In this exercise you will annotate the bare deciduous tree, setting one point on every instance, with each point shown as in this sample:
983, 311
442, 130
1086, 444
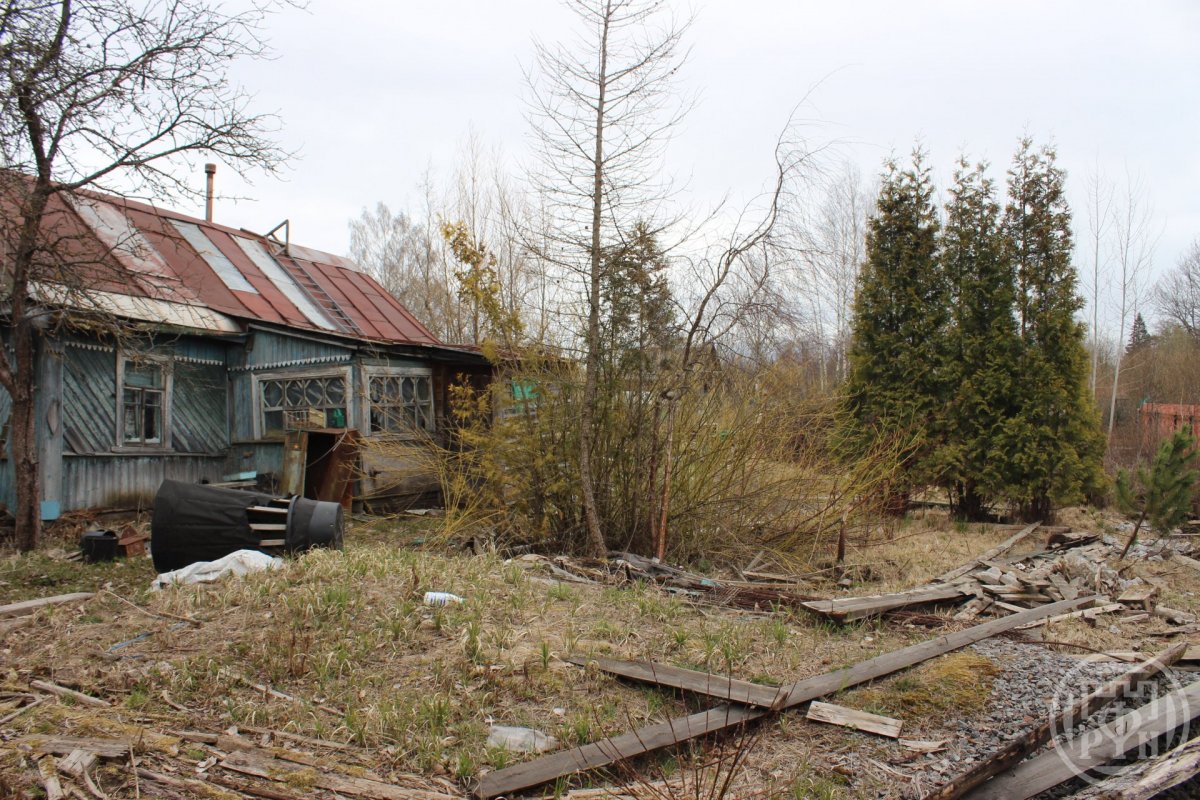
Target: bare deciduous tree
98, 94
1134, 239
602, 112
1099, 211
1177, 295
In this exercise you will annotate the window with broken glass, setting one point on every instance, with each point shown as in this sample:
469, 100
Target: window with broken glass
143, 389
310, 402
401, 402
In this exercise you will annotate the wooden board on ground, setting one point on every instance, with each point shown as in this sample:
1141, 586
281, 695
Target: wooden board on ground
681, 729
29, 606
1148, 778
705, 683
261, 766
848, 609
1094, 748
999, 549
1087, 613
853, 718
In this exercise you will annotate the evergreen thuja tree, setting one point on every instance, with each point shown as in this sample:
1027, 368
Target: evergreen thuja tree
1163, 494
1053, 438
983, 345
896, 384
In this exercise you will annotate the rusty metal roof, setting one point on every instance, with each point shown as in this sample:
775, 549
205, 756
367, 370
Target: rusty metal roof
179, 259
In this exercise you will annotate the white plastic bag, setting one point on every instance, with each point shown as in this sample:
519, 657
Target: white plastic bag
239, 562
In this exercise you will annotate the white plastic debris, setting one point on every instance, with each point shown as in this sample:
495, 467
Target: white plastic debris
520, 740
239, 562
441, 598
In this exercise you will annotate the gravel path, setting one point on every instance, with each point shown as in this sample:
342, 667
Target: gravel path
1022, 697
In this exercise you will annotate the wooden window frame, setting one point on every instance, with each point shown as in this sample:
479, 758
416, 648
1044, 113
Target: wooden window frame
166, 365
260, 410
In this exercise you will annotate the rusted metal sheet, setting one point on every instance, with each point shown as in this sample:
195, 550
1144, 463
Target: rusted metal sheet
184, 259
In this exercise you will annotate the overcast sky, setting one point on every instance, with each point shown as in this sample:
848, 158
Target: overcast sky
373, 94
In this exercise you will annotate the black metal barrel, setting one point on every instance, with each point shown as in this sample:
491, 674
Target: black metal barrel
193, 522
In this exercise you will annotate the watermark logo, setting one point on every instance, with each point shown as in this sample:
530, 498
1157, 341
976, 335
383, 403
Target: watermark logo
1131, 726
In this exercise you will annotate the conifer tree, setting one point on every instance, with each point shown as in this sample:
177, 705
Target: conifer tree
1164, 494
1139, 336
984, 347
1054, 437
896, 384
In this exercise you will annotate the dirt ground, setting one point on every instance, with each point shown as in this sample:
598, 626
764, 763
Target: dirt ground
338, 647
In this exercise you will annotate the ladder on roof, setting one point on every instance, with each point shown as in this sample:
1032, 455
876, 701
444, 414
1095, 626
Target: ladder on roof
303, 277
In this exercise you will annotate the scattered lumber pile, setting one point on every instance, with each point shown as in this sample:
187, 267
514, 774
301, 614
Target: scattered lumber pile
1070, 565
256, 768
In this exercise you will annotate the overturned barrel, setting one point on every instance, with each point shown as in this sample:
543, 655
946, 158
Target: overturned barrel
193, 522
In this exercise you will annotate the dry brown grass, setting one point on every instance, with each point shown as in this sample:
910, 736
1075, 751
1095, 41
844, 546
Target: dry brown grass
958, 683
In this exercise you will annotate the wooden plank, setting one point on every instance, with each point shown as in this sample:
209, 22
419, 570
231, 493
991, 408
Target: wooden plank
681, 729
1024, 744
62, 691
29, 606
706, 683
999, 549
853, 718
65, 745
1186, 561
1087, 613
1148, 778
251, 763
848, 609
1094, 748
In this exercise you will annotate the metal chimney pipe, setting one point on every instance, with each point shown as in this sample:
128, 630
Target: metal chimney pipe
210, 170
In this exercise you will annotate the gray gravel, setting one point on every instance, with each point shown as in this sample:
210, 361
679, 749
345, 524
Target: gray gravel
1023, 697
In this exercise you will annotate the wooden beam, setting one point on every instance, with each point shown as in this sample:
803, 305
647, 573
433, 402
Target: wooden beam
999, 549
29, 606
1087, 613
261, 766
1094, 748
1149, 778
853, 718
681, 729
62, 691
848, 609
705, 683
1024, 744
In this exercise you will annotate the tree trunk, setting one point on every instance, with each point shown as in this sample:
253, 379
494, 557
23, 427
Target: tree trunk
595, 536
24, 443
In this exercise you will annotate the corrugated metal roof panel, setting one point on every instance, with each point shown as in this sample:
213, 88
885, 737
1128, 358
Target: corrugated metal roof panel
227, 273
284, 282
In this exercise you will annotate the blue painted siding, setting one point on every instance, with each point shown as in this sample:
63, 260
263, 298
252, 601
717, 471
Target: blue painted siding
125, 481
276, 351
89, 400
198, 409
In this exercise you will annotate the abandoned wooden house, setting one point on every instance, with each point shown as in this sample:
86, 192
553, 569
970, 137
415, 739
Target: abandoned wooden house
190, 350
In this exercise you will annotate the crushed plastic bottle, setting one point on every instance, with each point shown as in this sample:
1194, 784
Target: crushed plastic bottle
520, 740
441, 598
